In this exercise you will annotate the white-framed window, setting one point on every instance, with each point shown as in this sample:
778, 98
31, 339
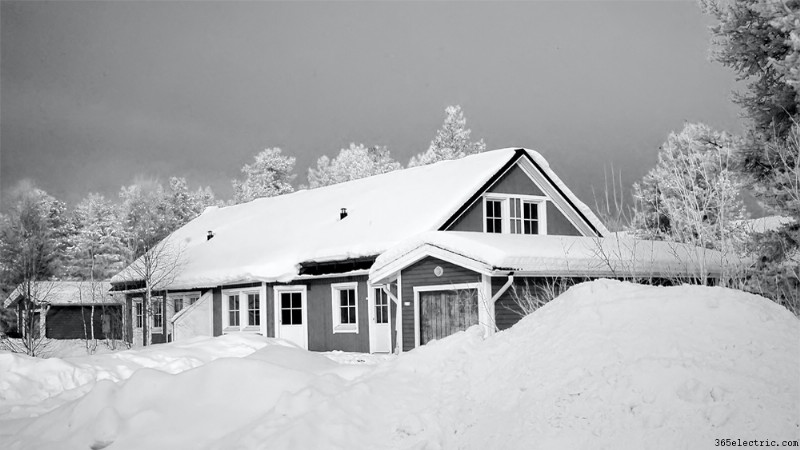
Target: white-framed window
193, 299
381, 306
514, 214
253, 310
138, 311
177, 304
344, 306
158, 314
241, 309
494, 215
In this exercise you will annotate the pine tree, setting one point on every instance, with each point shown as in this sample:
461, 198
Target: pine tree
451, 141
270, 175
97, 251
351, 163
760, 41
692, 195
33, 239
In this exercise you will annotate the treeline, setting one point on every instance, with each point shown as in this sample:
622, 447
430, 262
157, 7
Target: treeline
42, 239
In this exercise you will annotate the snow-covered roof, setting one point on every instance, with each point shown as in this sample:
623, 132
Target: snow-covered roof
614, 256
64, 293
267, 239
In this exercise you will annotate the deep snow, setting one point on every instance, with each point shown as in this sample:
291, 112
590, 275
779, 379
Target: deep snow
606, 365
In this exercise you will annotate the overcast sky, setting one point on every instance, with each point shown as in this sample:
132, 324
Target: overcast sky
94, 94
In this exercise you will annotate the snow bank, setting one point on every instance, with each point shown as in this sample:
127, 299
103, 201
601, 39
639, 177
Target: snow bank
37, 383
606, 365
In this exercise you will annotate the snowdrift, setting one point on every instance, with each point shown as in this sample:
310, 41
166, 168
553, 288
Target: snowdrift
606, 365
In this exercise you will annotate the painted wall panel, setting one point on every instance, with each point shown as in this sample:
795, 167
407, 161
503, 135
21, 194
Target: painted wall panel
421, 274
320, 317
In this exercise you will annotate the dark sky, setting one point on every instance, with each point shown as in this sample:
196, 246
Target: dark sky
95, 94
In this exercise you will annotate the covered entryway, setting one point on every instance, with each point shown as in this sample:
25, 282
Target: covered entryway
444, 312
291, 314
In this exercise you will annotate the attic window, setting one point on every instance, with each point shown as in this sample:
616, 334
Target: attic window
515, 214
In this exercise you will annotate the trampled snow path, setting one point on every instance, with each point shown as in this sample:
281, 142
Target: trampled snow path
607, 365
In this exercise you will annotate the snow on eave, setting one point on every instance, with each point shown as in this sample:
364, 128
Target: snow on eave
556, 255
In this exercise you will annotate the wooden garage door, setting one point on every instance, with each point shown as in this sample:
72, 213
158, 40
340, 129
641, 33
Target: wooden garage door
443, 313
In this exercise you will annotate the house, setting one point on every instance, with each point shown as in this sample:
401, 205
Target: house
389, 262
67, 310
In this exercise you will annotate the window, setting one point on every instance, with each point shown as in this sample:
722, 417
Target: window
233, 310
137, 306
193, 299
253, 310
530, 218
178, 303
381, 306
158, 315
241, 310
291, 308
344, 303
494, 216
515, 214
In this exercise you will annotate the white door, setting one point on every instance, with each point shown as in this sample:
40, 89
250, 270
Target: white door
290, 314
380, 337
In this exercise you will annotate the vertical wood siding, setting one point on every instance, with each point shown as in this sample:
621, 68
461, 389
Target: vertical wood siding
421, 274
320, 317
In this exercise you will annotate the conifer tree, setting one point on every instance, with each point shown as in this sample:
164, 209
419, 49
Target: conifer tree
351, 163
270, 175
451, 141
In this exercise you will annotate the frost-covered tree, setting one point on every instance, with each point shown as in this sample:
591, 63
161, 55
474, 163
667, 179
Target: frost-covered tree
183, 205
270, 175
97, 251
760, 41
351, 163
34, 236
692, 195
451, 141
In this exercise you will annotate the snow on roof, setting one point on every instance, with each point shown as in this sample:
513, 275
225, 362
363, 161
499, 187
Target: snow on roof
64, 293
559, 255
267, 239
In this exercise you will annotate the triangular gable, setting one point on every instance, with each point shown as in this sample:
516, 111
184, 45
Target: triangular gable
546, 182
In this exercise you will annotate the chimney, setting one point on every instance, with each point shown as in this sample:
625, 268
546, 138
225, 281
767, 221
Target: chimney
343, 214
209, 235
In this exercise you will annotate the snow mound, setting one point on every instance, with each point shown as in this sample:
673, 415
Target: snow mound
606, 365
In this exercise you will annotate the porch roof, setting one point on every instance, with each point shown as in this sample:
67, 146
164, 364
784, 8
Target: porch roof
614, 256
64, 293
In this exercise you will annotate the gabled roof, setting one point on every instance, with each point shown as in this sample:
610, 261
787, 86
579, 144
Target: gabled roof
613, 256
64, 293
267, 239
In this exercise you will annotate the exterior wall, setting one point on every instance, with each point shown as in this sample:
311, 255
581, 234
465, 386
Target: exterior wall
515, 181
270, 316
216, 307
320, 317
67, 322
195, 322
558, 224
421, 274
506, 310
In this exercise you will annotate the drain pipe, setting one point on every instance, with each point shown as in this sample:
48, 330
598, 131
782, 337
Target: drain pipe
504, 288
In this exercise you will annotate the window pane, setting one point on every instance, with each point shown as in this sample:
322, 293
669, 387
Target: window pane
534, 227
343, 315
297, 317
286, 300
178, 302
351, 314
286, 316
296, 300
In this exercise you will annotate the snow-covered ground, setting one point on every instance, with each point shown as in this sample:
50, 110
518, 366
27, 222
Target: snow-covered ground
606, 365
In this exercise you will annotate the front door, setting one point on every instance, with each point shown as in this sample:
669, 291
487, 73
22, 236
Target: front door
442, 313
290, 313
380, 337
